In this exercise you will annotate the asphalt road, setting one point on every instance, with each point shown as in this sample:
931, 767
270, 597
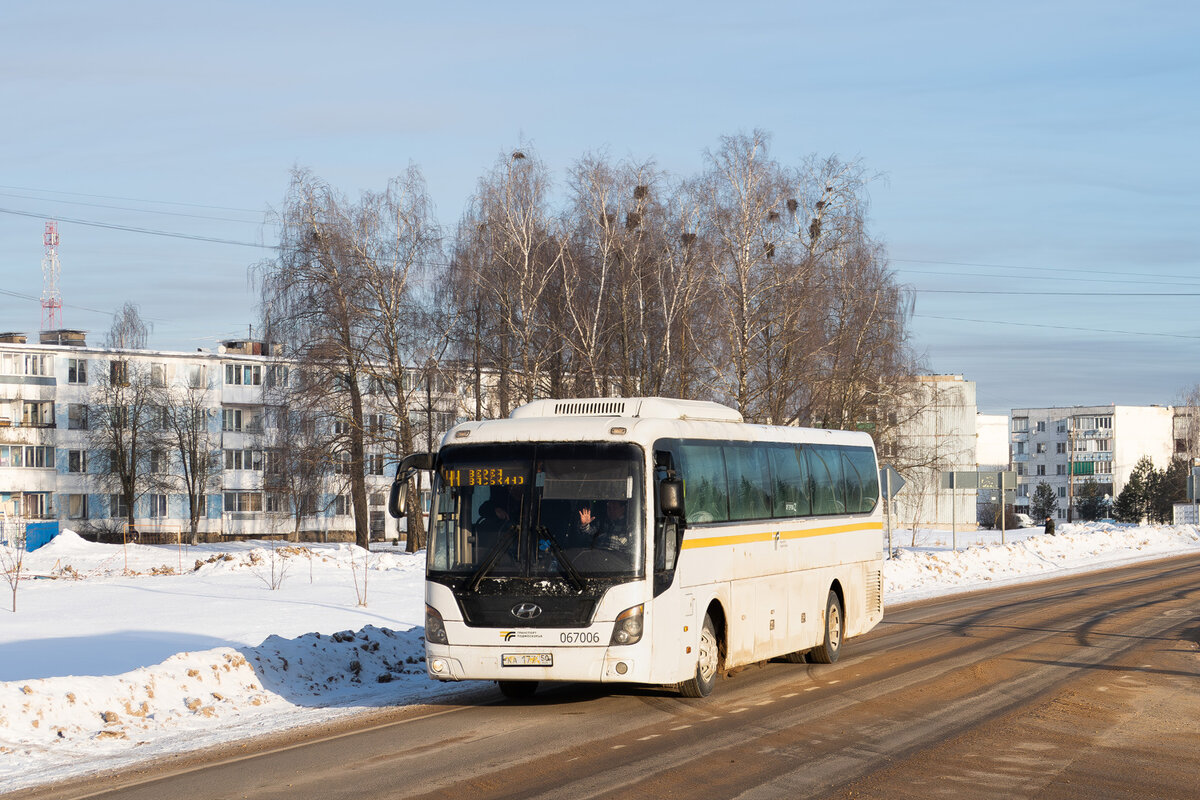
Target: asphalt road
1087, 686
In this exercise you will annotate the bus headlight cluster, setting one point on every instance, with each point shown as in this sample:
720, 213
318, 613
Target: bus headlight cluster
628, 628
435, 629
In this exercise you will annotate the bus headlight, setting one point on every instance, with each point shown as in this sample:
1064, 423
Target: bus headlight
628, 628
435, 629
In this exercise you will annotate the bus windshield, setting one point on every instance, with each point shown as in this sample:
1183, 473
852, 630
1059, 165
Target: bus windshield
569, 511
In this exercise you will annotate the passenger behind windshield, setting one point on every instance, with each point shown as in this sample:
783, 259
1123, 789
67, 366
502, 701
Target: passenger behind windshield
608, 532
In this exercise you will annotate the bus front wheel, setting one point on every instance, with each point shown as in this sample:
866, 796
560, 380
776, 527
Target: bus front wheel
827, 651
708, 659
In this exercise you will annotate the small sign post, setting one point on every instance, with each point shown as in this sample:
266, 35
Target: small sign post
892, 482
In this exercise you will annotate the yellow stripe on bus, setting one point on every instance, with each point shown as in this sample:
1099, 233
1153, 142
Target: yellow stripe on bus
750, 538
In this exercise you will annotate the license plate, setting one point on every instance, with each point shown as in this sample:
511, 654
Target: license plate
527, 660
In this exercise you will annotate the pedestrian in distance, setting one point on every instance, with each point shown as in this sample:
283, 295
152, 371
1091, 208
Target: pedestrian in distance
1050, 525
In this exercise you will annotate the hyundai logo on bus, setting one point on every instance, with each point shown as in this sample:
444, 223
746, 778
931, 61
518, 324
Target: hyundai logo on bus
527, 611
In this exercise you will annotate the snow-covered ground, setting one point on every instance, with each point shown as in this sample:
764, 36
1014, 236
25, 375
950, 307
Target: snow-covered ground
116, 655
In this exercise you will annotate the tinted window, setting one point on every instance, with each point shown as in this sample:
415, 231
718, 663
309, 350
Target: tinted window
749, 482
825, 466
862, 479
705, 495
790, 489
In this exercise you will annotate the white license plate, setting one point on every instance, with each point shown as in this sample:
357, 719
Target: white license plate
527, 660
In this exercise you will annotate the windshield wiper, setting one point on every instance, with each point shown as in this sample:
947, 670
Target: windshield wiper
568, 568
492, 557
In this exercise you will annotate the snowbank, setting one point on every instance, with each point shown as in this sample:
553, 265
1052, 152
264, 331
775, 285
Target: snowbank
122, 654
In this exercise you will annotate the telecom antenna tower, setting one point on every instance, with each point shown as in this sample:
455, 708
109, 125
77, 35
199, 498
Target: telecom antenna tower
51, 299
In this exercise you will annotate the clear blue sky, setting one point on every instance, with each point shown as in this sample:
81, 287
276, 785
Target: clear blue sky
1045, 149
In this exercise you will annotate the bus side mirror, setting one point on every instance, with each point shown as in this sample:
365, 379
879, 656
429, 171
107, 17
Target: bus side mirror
398, 499
670, 497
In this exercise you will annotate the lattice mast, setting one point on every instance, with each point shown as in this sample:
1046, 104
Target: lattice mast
51, 299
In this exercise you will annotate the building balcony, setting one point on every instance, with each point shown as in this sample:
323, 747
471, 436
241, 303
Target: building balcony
1020, 457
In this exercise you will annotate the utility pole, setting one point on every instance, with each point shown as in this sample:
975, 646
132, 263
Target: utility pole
1070, 467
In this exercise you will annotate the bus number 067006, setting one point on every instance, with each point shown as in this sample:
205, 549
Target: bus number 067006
579, 638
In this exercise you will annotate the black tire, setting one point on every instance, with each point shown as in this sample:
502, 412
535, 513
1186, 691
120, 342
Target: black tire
517, 690
708, 663
798, 657
835, 627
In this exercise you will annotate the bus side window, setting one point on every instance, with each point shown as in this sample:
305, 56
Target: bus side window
862, 474
825, 465
790, 475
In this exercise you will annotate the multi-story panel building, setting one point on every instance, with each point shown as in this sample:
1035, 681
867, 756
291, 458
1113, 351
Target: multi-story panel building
51, 468
1066, 447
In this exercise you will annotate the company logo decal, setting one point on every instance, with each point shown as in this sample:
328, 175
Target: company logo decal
527, 611
508, 636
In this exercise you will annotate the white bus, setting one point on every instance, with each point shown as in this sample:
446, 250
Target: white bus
644, 540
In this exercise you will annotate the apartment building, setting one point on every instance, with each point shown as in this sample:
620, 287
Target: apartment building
1066, 447
49, 466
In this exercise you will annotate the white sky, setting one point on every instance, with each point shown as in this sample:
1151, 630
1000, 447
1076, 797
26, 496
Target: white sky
1040, 148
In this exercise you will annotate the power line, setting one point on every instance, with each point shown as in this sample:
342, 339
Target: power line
132, 199
1035, 269
1010, 277
1058, 327
1039, 293
127, 208
132, 229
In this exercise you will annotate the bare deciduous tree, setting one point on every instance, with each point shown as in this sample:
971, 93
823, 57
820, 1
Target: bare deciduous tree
194, 436
126, 421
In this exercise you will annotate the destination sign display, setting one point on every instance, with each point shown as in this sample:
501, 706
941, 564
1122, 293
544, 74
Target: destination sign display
482, 476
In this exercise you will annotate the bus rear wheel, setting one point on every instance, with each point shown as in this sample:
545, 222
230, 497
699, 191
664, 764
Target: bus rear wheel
517, 690
708, 659
827, 651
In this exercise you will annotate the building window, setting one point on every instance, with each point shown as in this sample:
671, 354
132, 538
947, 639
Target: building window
1060, 447
341, 505
1020, 468
375, 464
197, 376
277, 375
243, 501
1020, 448
158, 506
77, 370
1062, 491
277, 503
77, 506
77, 461
1020, 424
341, 464
117, 508
231, 419
243, 375
1060, 469
1041, 447
118, 373
243, 459
1041, 469
1041, 426
77, 416
158, 375
1062, 427
38, 414
158, 462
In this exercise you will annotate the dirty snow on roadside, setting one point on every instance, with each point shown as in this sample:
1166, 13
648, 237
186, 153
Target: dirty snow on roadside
117, 655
